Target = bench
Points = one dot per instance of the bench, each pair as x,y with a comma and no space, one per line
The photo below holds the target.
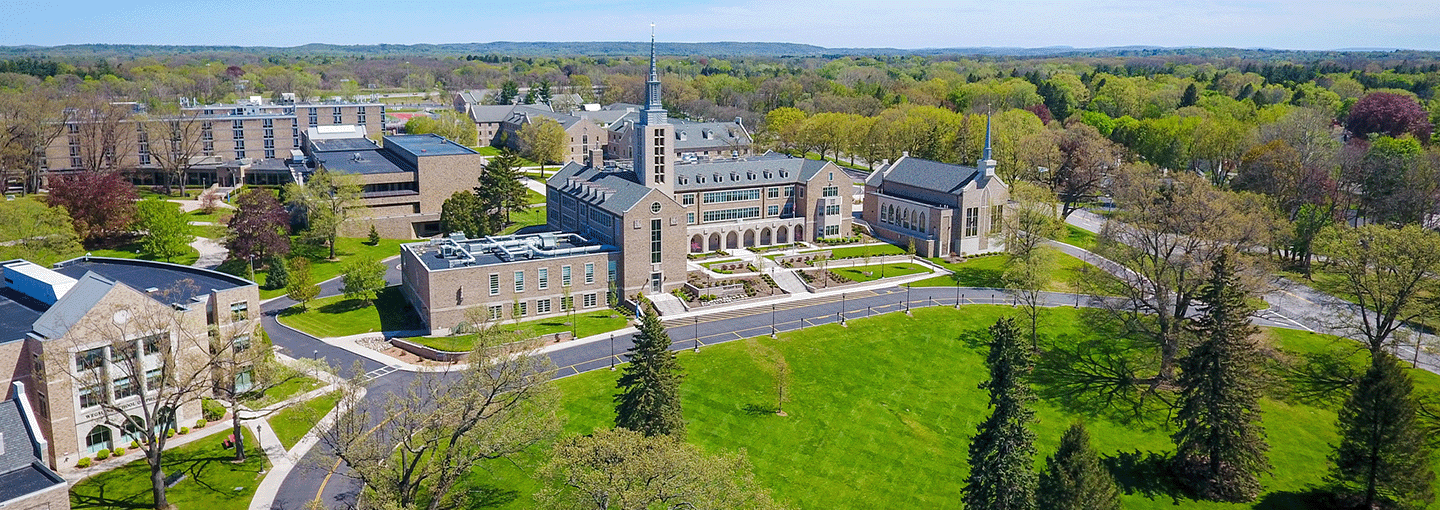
229,441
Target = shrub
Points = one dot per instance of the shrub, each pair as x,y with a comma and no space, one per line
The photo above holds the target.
83,463
200,423
102,455
212,410
170,433
184,430
134,443
119,450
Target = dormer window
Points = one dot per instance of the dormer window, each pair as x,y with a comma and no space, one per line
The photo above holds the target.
717,178
750,175
766,173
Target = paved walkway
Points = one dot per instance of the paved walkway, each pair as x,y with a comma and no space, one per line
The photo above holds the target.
789,281
667,304
212,253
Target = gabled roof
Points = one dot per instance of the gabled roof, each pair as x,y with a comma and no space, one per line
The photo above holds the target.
925,174
68,311
612,190
491,113
529,113
22,468
768,169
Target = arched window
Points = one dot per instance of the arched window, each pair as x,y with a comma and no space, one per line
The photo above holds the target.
922,222
98,439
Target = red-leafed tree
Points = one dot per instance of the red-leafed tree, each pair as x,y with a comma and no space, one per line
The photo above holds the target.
258,229
102,204
1388,114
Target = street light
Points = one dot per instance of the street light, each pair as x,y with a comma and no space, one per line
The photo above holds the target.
957,292
612,352
842,310
697,333
772,320
907,300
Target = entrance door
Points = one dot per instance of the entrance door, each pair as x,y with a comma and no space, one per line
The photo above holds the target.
655,280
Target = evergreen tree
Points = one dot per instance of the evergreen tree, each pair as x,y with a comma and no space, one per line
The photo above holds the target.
1220,444
649,398
1192,96
1382,453
1074,479
374,237
500,190
279,275
1002,467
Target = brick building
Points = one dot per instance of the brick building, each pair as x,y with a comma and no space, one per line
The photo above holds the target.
58,328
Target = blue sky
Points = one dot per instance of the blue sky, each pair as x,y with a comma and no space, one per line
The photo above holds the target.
1313,24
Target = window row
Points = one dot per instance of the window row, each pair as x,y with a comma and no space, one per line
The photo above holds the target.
731,214
542,278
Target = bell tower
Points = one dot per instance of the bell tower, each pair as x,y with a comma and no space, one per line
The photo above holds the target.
654,165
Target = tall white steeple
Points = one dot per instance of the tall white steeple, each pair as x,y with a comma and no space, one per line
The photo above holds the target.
652,153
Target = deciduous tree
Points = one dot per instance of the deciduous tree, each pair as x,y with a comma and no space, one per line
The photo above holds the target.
649,398
1389,114
363,278
101,204
1030,222
1390,272
301,287
326,201
166,231
543,140
258,228
40,234
1087,159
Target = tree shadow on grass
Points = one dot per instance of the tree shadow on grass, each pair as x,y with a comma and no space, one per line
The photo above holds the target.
1311,497
759,409
100,500
1144,473
977,277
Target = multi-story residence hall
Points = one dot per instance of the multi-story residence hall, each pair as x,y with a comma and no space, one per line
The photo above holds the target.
946,210
630,224
506,277
251,130
60,328
406,178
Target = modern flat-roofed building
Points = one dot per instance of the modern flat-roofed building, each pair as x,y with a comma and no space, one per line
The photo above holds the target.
406,178
513,277
59,324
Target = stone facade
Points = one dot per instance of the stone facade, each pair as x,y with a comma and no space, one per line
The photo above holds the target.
946,210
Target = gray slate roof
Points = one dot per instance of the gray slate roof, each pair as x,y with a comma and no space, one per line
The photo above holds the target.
781,169
491,113
88,290
21,472
926,174
615,191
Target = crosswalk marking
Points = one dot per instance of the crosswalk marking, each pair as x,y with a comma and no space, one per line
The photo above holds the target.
381,372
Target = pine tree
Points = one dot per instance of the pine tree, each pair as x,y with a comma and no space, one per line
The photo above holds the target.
1382,452
1074,479
374,236
649,398
1192,96
1002,466
279,275
1220,444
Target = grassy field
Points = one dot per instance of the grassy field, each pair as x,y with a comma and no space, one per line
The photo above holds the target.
989,271
292,423
881,415
873,250
589,323
337,316
533,197
876,271
287,389
527,218
212,481
346,248
1079,237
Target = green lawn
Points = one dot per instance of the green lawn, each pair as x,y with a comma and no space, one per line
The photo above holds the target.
346,248
219,217
534,197
1079,237
521,219
876,271
133,251
287,389
337,316
293,422
212,481
881,414
989,271
589,323
861,251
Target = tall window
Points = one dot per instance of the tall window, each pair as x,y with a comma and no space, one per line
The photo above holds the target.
972,221
542,278
997,218
519,281
494,284
655,241
564,276
589,273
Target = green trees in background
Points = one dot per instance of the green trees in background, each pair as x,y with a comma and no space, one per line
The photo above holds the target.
543,140
166,231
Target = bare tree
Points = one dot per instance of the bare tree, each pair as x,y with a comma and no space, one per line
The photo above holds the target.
104,135
1031,221
1086,161
1168,229
413,449
246,369
138,361
29,123
175,144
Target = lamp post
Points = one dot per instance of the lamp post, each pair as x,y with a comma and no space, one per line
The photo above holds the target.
772,320
842,310
957,293
907,300
612,352
697,333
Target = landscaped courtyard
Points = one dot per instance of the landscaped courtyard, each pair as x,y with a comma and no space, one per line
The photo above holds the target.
881,414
